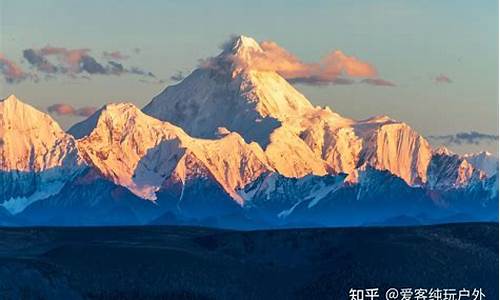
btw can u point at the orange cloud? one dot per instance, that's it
(116, 55)
(340, 63)
(334, 68)
(11, 71)
(442, 78)
(85, 111)
(62, 109)
(70, 62)
(72, 57)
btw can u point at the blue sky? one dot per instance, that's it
(410, 43)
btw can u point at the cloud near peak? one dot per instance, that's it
(335, 68)
(63, 109)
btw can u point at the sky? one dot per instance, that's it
(438, 58)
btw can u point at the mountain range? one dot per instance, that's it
(233, 146)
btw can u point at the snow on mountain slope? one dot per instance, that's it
(140, 152)
(484, 161)
(291, 156)
(234, 162)
(277, 196)
(334, 142)
(36, 156)
(236, 141)
(90, 199)
(229, 162)
(379, 142)
(31, 140)
(396, 147)
(247, 101)
(298, 138)
(121, 138)
(448, 170)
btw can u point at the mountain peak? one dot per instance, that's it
(15, 104)
(18, 114)
(36, 155)
(31, 140)
(484, 161)
(11, 98)
(110, 115)
(115, 110)
(239, 44)
(442, 150)
(250, 102)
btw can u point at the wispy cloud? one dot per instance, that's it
(62, 109)
(460, 138)
(85, 111)
(114, 55)
(116, 67)
(11, 72)
(53, 61)
(378, 82)
(139, 71)
(39, 61)
(335, 68)
(442, 78)
(178, 76)
(318, 81)
(67, 61)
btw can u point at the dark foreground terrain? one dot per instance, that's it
(201, 263)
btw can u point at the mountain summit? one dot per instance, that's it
(241, 46)
(140, 153)
(234, 144)
(222, 93)
(36, 155)
(298, 137)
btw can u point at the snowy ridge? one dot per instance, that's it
(231, 140)
(139, 152)
(298, 138)
(451, 171)
(484, 161)
(281, 195)
(36, 156)
(32, 140)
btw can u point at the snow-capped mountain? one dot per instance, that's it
(298, 138)
(249, 102)
(231, 146)
(274, 196)
(36, 156)
(449, 170)
(139, 152)
(484, 161)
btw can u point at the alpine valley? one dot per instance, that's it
(236, 147)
